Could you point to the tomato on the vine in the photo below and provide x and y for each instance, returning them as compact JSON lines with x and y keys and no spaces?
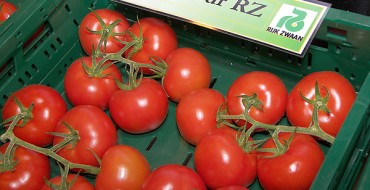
{"x":6,"y":10}
{"x":97,"y":89}
{"x":196,"y":113}
{"x":188,"y":70}
{"x":96,"y":131}
{"x":270,"y":90}
{"x":221,"y":162}
{"x":30,"y":170}
{"x":294,"y":169}
{"x":48,"y":108}
{"x":341,"y":96}
{"x":173,"y":176}
{"x":141,"y":109}
{"x":158,"y":40}
{"x":91,"y":31}
{"x":123,"y":167}
{"x":79,"y":183}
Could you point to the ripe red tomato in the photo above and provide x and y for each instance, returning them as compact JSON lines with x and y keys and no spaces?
{"x":341,"y":97}
{"x":270,"y":90}
{"x":173,"y":176}
{"x":141,"y":109}
{"x":90,"y":23}
{"x":29,"y":173}
{"x":159,"y":40}
{"x":82,"y":89}
{"x":123,"y":167}
{"x":6,"y":10}
{"x":221,"y":162}
{"x":196,"y":113}
{"x":187,"y":70}
{"x":295,"y":169}
{"x":49,"y":107}
{"x":80,"y":183}
{"x":96,"y":130}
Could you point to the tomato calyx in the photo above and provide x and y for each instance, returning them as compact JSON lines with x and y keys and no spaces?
{"x":64,"y":184}
{"x":24,"y":115}
{"x":7,"y":160}
{"x":106,"y":32}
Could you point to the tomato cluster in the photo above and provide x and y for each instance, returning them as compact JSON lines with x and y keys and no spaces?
{"x":106,"y":97}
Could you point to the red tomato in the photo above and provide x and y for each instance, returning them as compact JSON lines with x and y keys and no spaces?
{"x":82,"y":89}
{"x":96,"y":130}
{"x":295,"y":169}
{"x":90,"y":23}
{"x":196,"y":113}
{"x":80,"y":183}
{"x":341,"y":97}
{"x":6,"y":10}
{"x":29,"y":173}
{"x":159,"y":40}
{"x":49,"y":107}
{"x":221,"y":162}
{"x":173,"y":176}
{"x":187,"y":70}
{"x":270,"y":90}
{"x":123,"y":167}
{"x":233,"y":187}
{"x":141,"y":109}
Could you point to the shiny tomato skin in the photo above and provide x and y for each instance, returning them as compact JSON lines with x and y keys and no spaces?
{"x":295,"y":169}
{"x":82,"y":89}
{"x":341,"y":97}
{"x":188,"y":70}
{"x":29,"y":173}
{"x":123,"y":167}
{"x":196,"y":113}
{"x":49,"y":107}
{"x":220,"y":161}
{"x":270,"y":90}
{"x":96,"y":130}
{"x":141,"y":109}
{"x":173,"y":177}
{"x":90,"y":21}
{"x":159,"y":40}
{"x":6,"y":10}
{"x":80,"y":184}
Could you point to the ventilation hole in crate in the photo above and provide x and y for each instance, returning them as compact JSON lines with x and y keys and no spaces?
{"x":299,"y":61}
{"x":151,"y":143}
{"x":92,"y":5}
{"x":251,"y":62}
{"x":59,"y":41}
{"x":336,"y":69}
{"x":256,"y":49}
{"x":309,"y":61}
{"x":270,"y":52}
{"x":19,"y":33}
{"x":352,"y":77}
{"x":187,"y":159}
{"x":5,"y":97}
{"x":46,"y":53}
{"x":320,"y":43}
{"x":21,"y":81}
{"x":213,"y":82}
{"x":28,"y":75}
{"x":60,"y":72}
{"x":67,"y":8}
{"x":338,"y":50}
{"x":53,"y":47}
{"x":75,"y":23}
{"x":290,"y":58}
{"x":34,"y":68}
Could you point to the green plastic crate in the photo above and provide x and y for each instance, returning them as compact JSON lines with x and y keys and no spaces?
{"x":46,"y":59}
